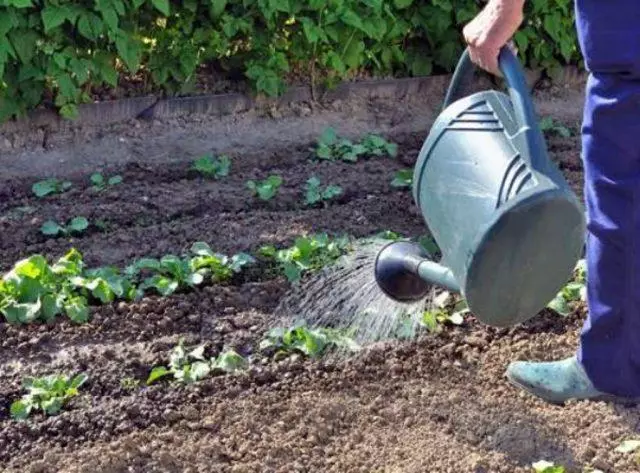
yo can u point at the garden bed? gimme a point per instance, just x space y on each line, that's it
439 403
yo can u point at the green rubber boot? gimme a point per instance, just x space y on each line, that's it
558 381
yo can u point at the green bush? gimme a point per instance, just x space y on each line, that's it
61 53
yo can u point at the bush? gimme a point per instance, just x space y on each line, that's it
60 52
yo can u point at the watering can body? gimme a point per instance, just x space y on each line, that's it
509 227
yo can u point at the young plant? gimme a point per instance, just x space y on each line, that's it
549 125
544 466
190 366
34 290
50 186
48 394
212 167
100 183
169 274
574 292
446 309
314 192
301 339
403 178
331 147
266 189
76 225
375 145
220 267
308 253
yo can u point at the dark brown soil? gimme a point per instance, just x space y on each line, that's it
438 404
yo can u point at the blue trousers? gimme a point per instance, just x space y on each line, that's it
609 35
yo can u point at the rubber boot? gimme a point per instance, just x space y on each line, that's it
558 381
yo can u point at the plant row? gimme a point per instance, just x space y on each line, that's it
61 53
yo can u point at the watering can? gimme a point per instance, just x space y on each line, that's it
509 227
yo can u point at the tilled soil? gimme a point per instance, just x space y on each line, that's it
437 404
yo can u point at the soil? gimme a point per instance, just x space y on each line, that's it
439 403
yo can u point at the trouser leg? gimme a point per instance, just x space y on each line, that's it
610 339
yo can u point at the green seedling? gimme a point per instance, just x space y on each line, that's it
100 183
314 192
48 394
447 309
266 189
375 145
172 273
543 466
76 225
106 285
190 366
301 339
34 290
50 186
220 267
211 167
403 178
573 292
308 253
549 125
331 147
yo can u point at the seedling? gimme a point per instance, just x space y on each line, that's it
543 466
314 192
75 225
266 189
549 125
100 183
309 253
220 267
331 147
309 342
50 186
446 309
377 146
190 366
211 167
48 394
169 274
575 291
403 178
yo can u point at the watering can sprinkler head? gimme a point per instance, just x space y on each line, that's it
404 272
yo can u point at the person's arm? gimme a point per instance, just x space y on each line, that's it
491 29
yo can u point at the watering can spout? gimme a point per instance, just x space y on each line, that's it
405 272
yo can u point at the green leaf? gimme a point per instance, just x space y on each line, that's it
157 373
21 3
53 16
20 410
114 180
401 4
51 228
162 6
79 224
217 7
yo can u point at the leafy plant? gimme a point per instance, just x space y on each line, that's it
190 366
573 292
166 43
266 189
314 192
331 147
48 393
549 125
213 167
301 339
75 225
308 253
403 178
172 273
100 183
447 308
543 466
50 186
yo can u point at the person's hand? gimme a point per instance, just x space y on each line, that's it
492 29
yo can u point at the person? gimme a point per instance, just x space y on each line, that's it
606 363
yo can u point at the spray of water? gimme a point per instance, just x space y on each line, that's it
345 296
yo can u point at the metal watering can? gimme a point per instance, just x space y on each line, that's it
508 225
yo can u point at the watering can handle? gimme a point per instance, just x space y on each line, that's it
514 77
